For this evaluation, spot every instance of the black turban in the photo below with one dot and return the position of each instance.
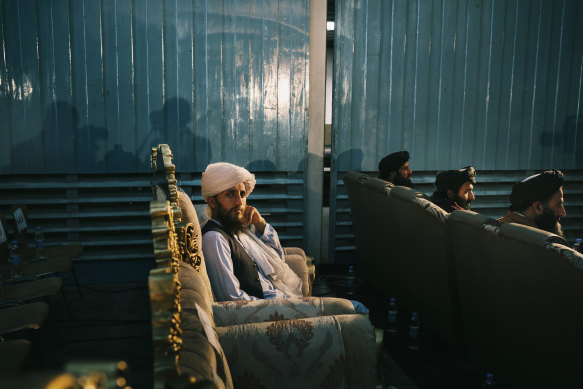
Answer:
(392, 162)
(453, 179)
(539, 187)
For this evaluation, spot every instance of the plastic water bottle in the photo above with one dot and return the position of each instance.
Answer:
(414, 332)
(489, 382)
(393, 312)
(39, 239)
(577, 244)
(351, 278)
(14, 260)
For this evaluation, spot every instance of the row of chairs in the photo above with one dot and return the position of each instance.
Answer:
(510, 295)
(24, 300)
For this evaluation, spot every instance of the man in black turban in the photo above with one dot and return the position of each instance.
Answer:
(454, 189)
(395, 168)
(537, 201)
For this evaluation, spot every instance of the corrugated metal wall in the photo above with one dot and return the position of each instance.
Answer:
(110, 216)
(495, 84)
(89, 86)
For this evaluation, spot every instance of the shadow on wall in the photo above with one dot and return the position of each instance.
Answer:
(263, 165)
(571, 138)
(62, 146)
(170, 125)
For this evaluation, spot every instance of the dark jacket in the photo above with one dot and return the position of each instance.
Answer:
(445, 203)
(243, 266)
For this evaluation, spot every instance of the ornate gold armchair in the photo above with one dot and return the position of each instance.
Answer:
(191, 349)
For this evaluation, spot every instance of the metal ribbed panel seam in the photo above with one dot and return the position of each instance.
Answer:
(109, 214)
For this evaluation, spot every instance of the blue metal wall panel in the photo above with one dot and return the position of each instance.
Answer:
(495, 84)
(89, 86)
(492, 83)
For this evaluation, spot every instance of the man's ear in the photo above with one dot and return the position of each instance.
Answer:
(392, 174)
(212, 202)
(537, 207)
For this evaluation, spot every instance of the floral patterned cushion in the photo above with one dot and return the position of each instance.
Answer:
(244, 312)
(303, 353)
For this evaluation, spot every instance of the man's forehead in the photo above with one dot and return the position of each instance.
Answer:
(467, 185)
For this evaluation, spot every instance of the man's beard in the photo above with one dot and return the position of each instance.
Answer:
(402, 181)
(232, 224)
(465, 204)
(549, 222)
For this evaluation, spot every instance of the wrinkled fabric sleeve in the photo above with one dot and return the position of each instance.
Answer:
(217, 255)
(271, 239)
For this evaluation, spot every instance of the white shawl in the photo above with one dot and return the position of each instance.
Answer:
(278, 272)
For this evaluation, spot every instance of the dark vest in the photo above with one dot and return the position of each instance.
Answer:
(244, 267)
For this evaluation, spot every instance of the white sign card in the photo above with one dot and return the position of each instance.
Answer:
(20, 220)
(3, 237)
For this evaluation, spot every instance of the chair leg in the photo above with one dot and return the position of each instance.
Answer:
(54, 320)
(77, 282)
(66, 302)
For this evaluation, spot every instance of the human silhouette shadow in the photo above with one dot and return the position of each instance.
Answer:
(61, 146)
(170, 125)
(261, 165)
(569, 139)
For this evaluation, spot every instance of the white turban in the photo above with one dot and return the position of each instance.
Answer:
(221, 176)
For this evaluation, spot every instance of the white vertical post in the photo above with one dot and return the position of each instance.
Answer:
(316, 107)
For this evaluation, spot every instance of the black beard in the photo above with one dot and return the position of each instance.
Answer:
(402, 181)
(549, 222)
(232, 224)
(463, 203)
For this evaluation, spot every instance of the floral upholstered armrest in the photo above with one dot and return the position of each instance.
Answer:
(299, 266)
(309, 261)
(243, 312)
(325, 351)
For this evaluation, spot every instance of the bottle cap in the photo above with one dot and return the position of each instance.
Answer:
(37, 228)
(414, 314)
(14, 242)
(490, 376)
(393, 299)
(578, 240)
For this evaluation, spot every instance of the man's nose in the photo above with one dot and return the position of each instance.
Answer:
(238, 199)
(472, 197)
(409, 171)
(562, 212)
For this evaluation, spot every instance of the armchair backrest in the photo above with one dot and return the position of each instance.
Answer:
(165, 187)
(183, 330)
(521, 291)
(405, 251)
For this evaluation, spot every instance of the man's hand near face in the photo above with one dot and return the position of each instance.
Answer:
(252, 216)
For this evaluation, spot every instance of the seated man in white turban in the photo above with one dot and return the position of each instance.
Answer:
(243, 255)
